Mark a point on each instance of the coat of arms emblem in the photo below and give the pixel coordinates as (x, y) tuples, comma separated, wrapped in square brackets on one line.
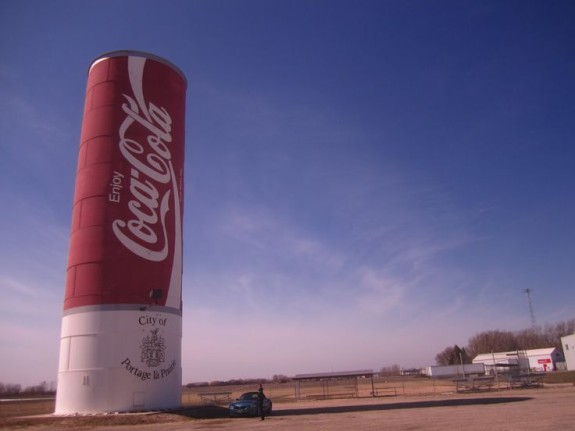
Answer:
[(153, 348)]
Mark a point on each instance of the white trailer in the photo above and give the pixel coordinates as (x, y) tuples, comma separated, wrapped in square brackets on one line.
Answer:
[(460, 370)]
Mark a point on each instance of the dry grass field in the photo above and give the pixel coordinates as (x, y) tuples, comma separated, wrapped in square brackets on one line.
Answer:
[(403, 404), (314, 390)]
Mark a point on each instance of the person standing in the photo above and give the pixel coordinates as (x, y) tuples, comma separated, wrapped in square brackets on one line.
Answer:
[(261, 398)]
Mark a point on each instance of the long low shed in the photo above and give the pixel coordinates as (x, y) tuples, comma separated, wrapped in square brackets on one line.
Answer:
[(353, 391)]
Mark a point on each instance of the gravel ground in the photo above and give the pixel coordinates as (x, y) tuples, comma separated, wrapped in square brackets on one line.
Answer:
[(547, 408)]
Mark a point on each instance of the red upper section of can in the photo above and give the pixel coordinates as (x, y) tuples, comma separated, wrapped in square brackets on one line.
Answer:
[(126, 239)]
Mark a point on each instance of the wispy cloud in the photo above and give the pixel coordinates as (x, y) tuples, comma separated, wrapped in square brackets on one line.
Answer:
[(22, 114), (18, 287), (46, 150), (271, 233), (380, 294), (330, 242)]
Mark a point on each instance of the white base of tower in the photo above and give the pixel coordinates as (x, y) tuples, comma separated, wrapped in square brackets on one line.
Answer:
[(115, 359)]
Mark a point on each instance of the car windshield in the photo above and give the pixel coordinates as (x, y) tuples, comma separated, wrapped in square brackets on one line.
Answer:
[(249, 396)]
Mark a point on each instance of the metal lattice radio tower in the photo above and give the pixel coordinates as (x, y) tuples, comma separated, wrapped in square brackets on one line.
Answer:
[(531, 311)]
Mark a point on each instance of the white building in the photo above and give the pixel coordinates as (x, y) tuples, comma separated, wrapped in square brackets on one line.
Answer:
[(534, 360), (568, 343)]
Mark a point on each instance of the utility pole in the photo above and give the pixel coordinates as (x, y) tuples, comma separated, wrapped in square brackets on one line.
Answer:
[(531, 311)]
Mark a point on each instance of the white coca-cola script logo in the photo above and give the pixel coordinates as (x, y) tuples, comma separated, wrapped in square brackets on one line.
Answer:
[(144, 232)]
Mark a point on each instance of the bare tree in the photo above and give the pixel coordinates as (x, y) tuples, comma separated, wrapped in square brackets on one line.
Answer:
[(10, 389), (393, 370), (505, 341), (492, 341), (452, 355)]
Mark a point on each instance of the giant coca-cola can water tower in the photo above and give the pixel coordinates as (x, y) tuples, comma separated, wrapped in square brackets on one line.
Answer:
[(122, 326)]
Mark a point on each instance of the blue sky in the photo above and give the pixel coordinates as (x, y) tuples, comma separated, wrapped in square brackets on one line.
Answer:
[(367, 182)]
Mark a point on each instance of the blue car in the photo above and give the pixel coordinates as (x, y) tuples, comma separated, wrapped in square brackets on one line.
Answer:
[(247, 405)]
